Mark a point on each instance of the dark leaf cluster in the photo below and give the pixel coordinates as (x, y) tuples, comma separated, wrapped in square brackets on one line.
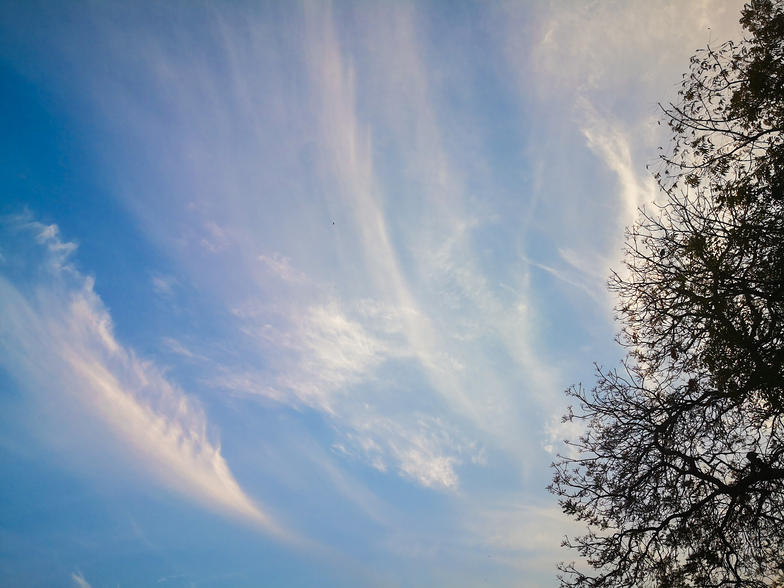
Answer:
[(727, 129)]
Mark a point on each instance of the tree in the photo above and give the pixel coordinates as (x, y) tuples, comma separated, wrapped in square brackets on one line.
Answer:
[(680, 472), (715, 284), (678, 489)]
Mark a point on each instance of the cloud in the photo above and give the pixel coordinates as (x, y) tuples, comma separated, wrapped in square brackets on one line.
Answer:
[(417, 325), (178, 347), (602, 68), (281, 267), (448, 304), (329, 350), (425, 451), (524, 536), (80, 581), (335, 367), (392, 313), (57, 339), (164, 285), (558, 430), (590, 47), (610, 141)]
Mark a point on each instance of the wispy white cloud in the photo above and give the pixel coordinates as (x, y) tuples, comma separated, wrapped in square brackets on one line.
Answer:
[(281, 267), (60, 343), (397, 299), (177, 347), (598, 71), (330, 350), (606, 66), (559, 430), (611, 142), (216, 239), (448, 303), (619, 48), (163, 285), (78, 578), (523, 536), (425, 451), (335, 362)]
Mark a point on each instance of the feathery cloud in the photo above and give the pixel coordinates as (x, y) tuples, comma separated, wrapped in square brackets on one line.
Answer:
[(57, 340)]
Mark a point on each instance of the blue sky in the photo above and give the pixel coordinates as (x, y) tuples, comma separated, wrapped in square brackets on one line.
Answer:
[(290, 291)]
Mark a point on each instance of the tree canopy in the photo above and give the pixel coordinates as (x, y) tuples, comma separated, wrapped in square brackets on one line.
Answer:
[(680, 472)]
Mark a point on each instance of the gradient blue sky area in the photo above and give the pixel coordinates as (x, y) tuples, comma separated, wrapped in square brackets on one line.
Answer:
[(290, 291)]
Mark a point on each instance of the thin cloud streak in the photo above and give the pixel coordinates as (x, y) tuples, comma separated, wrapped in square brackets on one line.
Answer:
[(443, 252), (60, 343), (78, 578), (611, 143)]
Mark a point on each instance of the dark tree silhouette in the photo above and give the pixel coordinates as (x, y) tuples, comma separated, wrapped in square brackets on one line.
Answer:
[(711, 289), (680, 473)]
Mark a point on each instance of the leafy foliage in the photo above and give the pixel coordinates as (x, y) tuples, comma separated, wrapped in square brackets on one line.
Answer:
[(678, 487), (680, 474), (713, 258)]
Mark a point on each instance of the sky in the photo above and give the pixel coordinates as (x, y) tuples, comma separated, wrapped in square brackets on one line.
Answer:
[(290, 291)]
